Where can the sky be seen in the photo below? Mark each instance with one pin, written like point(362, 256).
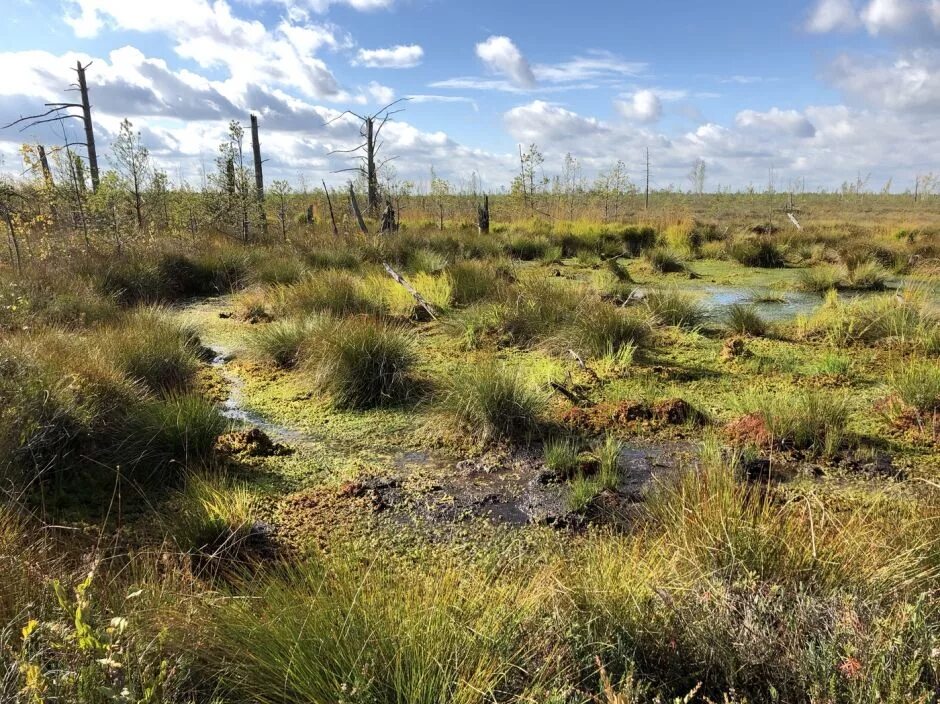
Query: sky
point(815, 92)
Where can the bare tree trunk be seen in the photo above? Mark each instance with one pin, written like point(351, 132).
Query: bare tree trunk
point(371, 175)
point(44, 162)
point(259, 175)
point(647, 178)
point(356, 211)
point(329, 203)
point(483, 215)
point(89, 131)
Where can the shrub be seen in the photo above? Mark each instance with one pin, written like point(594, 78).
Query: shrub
point(494, 401)
point(638, 239)
point(362, 362)
point(664, 260)
point(745, 320)
point(674, 307)
point(282, 341)
point(561, 456)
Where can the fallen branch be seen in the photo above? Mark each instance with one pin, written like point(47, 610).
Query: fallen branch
point(795, 221)
point(411, 289)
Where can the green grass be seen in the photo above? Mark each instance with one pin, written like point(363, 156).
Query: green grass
point(602, 329)
point(215, 516)
point(757, 252)
point(562, 456)
point(674, 307)
point(812, 421)
point(745, 320)
point(664, 260)
point(917, 385)
point(361, 363)
point(818, 279)
point(281, 341)
point(493, 400)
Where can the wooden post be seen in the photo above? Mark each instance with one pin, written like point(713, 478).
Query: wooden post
point(329, 202)
point(371, 175)
point(647, 178)
point(356, 211)
point(259, 174)
point(309, 214)
point(441, 206)
point(89, 131)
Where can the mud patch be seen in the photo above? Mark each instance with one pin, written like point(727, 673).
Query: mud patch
point(626, 414)
point(250, 443)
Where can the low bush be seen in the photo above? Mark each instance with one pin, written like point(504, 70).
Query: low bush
point(757, 252)
point(664, 260)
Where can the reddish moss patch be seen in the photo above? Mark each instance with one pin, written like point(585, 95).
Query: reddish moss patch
point(249, 443)
point(749, 429)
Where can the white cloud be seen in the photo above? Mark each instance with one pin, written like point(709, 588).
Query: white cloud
point(831, 15)
point(400, 56)
point(381, 94)
point(540, 121)
point(909, 82)
point(777, 121)
point(644, 106)
point(500, 55)
point(595, 65)
point(891, 15)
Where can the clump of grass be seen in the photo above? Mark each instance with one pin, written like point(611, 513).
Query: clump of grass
point(757, 252)
point(905, 319)
point(811, 421)
point(153, 349)
point(608, 454)
point(215, 516)
point(674, 307)
point(425, 261)
point(602, 329)
point(335, 630)
point(866, 275)
point(494, 401)
point(745, 320)
point(282, 341)
point(917, 385)
point(362, 362)
point(834, 364)
point(581, 492)
point(473, 281)
point(664, 260)
point(619, 271)
point(180, 429)
point(540, 307)
point(562, 456)
point(818, 279)
point(527, 247)
point(332, 291)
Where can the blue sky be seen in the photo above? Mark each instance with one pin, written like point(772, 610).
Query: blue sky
point(820, 90)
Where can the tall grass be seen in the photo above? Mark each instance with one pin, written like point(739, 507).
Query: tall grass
point(361, 362)
point(745, 320)
point(811, 421)
point(675, 307)
point(494, 401)
point(600, 329)
point(917, 385)
point(281, 341)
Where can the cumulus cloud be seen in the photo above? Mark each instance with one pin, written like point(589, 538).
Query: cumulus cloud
point(831, 15)
point(400, 56)
point(540, 121)
point(909, 82)
point(502, 56)
point(644, 106)
point(891, 15)
point(776, 121)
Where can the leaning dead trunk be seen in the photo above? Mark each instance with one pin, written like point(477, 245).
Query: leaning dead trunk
point(483, 215)
point(89, 130)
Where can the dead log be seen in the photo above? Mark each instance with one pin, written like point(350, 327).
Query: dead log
point(388, 217)
point(355, 206)
point(259, 174)
point(89, 131)
point(411, 289)
point(795, 222)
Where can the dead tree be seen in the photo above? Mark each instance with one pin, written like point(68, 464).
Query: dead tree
point(329, 203)
point(44, 163)
point(367, 153)
point(259, 175)
point(60, 112)
point(483, 215)
point(388, 217)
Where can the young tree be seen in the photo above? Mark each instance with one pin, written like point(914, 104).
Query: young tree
point(132, 161)
point(280, 191)
point(612, 186)
point(697, 176)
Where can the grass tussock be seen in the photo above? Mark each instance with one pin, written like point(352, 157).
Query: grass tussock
point(494, 401)
point(601, 329)
point(675, 307)
point(664, 260)
point(745, 320)
point(361, 363)
point(811, 421)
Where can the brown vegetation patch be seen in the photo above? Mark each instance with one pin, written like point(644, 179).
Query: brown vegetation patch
point(749, 429)
point(734, 348)
point(607, 415)
point(249, 443)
